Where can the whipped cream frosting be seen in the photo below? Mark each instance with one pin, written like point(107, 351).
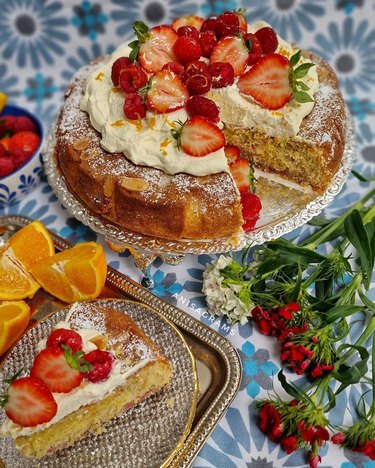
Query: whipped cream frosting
point(85, 394)
point(149, 142)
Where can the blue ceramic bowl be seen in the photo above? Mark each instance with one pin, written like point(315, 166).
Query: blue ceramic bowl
point(15, 186)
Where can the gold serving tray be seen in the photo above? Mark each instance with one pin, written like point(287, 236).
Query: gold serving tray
point(218, 364)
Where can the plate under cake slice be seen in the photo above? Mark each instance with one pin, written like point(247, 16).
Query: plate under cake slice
point(125, 367)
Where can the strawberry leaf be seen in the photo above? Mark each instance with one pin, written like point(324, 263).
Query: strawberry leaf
point(294, 59)
point(302, 70)
point(75, 360)
point(302, 97)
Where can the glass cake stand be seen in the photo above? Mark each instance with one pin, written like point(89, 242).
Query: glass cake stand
point(285, 207)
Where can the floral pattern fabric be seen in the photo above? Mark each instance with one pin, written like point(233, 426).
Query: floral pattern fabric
point(43, 42)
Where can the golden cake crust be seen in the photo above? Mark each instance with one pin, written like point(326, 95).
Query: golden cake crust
point(155, 204)
point(131, 345)
point(150, 202)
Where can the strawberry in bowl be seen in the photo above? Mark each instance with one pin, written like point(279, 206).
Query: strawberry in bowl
point(21, 138)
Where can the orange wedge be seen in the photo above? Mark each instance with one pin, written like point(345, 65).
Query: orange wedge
point(32, 244)
point(75, 274)
point(14, 317)
point(25, 248)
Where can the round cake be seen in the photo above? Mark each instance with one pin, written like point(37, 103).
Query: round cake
point(162, 137)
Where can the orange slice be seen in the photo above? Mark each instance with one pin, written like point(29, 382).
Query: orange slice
point(75, 274)
point(14, 317)
point(15, 282)
point(32, 244)
point(25, 248)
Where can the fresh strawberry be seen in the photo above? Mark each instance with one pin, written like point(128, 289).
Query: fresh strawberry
point(231, 49)
point(208, 25)
point(174, 67)
point(167, 92)
point(267, 82)
point(227, 23)
point(241, 14)
point(268, 39)
point(197, 78)
point(199, 137)
point(222, 74)
point(19, 157)
point(190, 20)
point(102, 362)
point(117, 66)
point(4, 142)
point(157, 49)
point(3, 151)
point(240, 171)
point(251, 207)
point(6, 165)
point(188, 31)
point(232, 152)
point(132, 78)
point(64, 336)
point(22, 123)
point(28, 402)
point(187, 49)
point(6, 125)
point(52, 367)
point(207, 41)
point(26, 141)
point(200, 105)
point(255, 49)
point(134, 107)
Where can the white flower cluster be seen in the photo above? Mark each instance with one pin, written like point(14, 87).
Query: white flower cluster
point(223, 299)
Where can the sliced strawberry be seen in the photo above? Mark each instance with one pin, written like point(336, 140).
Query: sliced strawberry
point(51, 366)
point(241, 13)
point(190, 20)
point(232, 152)
point(167, 92)
point(240, 170)
point(200, 137)
point(231, 49)
point(267, 82)
point(29, 402)
point(157, 50)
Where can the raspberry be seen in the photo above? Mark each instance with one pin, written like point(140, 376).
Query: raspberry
point(207, 42)
point(174, 67)
point(208, 25)
point(222, 74)
point(134, 107)
point(187, 49)
point(190, 31)
point(22, 123)
point(200, 105)
point(251, 206)
point(63, 336)
point(26, 141)
point(102, 362)
point(19, 157)
point(117, 66)
point(6, 166)
point(227, 23)
point(268, 40)
point(6, 125)
point(255, 49)
point(132, 78)
point(197, 78)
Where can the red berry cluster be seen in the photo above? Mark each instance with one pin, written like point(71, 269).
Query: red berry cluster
point(18, 142)
point(170, 66)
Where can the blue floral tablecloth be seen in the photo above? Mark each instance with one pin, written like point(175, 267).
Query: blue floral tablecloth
point(42, 43)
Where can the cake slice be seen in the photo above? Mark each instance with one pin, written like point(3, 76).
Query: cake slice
point(59, 403)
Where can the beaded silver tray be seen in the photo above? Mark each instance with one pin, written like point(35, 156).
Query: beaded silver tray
point(285, 207)
point(218, 365)
point(147, 435)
